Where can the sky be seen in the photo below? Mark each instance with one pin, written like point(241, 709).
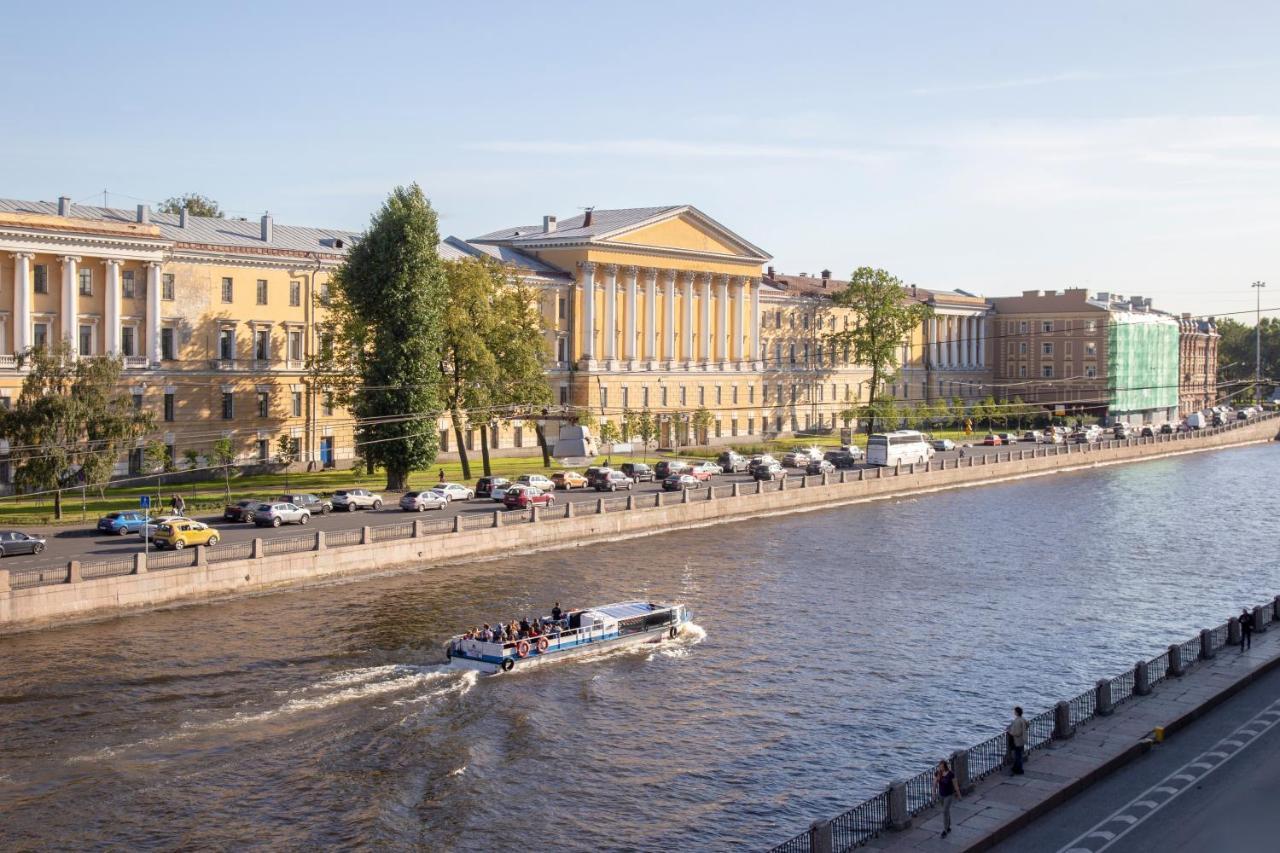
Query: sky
point(1128, 147)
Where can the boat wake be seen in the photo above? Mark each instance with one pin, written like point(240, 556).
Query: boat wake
point(680, 647)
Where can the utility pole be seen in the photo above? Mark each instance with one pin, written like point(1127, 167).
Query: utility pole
point(1257, 343)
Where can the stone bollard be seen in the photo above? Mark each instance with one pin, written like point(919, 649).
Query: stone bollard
point(911, 469)
point(366, 535)
point(736, 491)
point(4, 581)
point(783, 487)
point(1275, 607)
point(1259, 620)
point(140, 563)
point(631, 501)
point(711, 493)
point(1141, 679)
point(1233, 631)
point(899, 816)
point(568, 509)
point(842, 482)
point(533, 513)
point(1206, 644)
point(960, 767)
point(759, 486)
point(971, 461)
point(684, 497)
point(321, 544)
point(1175, 661)
point(417, 529)
point(825, 480)
point(257, 544)
point(821, 839)
point(804, 481)
point(599, 506)
point(457, 528)
point(1062, 721)
point(862, 474)
point(74, 576)
point(497, 521)
point(1102, 704)
point(202, 554)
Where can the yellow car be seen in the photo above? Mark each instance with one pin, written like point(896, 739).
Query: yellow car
point(566, 480)
point(179, 534)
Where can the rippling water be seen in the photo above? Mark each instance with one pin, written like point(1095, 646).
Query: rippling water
point(836, 650)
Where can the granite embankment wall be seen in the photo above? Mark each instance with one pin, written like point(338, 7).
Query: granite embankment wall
point(37, 598)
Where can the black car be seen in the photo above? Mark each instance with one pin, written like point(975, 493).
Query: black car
point(486, 485)
point(819, 466)
point(1166, 429)
point(14, 542)
point(317, 506)
point(638, 472)
point(769, 471)
point(240, 510)
point(611, 481)
point(1148, 432)
point(840, 458)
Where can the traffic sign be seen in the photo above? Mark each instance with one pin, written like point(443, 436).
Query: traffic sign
point(145, 501)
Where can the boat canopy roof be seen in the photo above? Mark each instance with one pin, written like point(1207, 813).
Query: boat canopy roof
point(627, 609)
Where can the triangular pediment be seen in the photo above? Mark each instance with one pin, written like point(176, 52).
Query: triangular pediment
point(686, 229)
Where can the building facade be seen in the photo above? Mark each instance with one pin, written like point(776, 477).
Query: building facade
point(1198, 364)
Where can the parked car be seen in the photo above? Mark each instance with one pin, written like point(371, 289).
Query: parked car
point(121, 523)
point(180, 534)
point(520, 496)
point(1007, 438)
point(568, 480)
point(763, 459)
point(240, 510)
point(148, 529)
point(699, 474)
point(708, 468)
point(276, 514)
point(639, 472)
point(486, 485)
point(15, 542)
point(992, 440)
point(611, 481)
point(499, 491)
point(1051, 437)
point(1121, 431)
point(538, 481)
point(1197, 420)
point(354, 499)
point(311, 503)
point(667, 467)
point(420, 501)
point(1148, 432)
point(680, 482)
point(1243, 414)
point(456, 491)
point(769, 471)
point(1217, 419)
point(1166, 428)
point(796, 458)
point(819, 466)
point(942, 444)
point(732, 462)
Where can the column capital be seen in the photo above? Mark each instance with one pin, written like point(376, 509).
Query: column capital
point(670, 276)
point(610, 269)
point(111, 262)
point(587, 266)
point(650, 274)
point(720, 279)
point(71, 259)
point(22, 256)
point(630, 271)
point(154, 265)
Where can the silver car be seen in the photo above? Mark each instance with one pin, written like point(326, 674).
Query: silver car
point(354, 499)
point(274, 515)
point(420, 501)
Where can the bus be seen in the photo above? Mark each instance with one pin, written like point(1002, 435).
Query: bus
point(903, 446)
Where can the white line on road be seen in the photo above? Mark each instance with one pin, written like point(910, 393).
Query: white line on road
point(1150, 806)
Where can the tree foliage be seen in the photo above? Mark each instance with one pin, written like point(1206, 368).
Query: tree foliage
point(388, 306)
point(701, 421)
point(886, 316)
point(71, 422)
point(194, 203)
point(223, 455)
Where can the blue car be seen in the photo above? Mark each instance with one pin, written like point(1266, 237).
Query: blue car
point(121, 523)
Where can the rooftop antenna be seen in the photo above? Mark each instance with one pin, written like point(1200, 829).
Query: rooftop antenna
point(586, 216)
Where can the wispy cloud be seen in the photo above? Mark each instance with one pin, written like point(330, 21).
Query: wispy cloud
point(677, 149)
point(1010, 83)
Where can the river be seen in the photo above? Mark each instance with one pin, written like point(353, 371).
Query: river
point(834, 651)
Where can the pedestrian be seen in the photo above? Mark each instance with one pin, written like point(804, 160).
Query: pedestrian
point(442, 475)
point(948, 790)
point(1246, 630)
point(1016, 734)
point(179, 505)
point(173, 505)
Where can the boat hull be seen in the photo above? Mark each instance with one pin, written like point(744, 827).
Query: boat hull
point(490, 665)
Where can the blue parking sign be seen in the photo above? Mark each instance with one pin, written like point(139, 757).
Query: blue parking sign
point(145, 501)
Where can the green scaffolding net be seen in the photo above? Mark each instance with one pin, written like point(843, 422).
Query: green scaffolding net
point(1142, 358)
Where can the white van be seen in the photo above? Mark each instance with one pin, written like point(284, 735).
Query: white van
point(1197, 420)
point(903, 446)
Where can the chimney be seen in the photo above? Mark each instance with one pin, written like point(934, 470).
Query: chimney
point(64, 205)
point(1103, 296)
point(1051, 293)
point(771, 273)
point(1029, 293)
point(586, 217)
point(182, 217)
point(826, 274)
point(913, 291)
point(548, 224)
point(144, 214)
point(266, 227)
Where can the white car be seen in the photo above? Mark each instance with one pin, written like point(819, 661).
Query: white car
point(454, 492)
point(943, 444)
point(538, 481)
point(708, 468)
point(499, 491)
point(148, 530)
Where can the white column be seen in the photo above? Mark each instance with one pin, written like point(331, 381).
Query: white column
point(610, 312)
point(651, 315)
point(982, 342)
point(22, 300)
point(113, 307)
point(688, 319)
point(704, 332)
point(754, 284)
point(971, 328)
point(735, 322)
point(70, 316)
point(629, 322)
point(722, 296)
point(933, 342)
point(669, 333)
point(153, 314)
point(587, 274)
point(964, 341)
point(953, 342)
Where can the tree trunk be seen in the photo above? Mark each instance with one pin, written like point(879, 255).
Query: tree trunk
point(397, 480)
point(368, 466)
point(871, 400)
point(57, 504)
point(542, 444)
point(456, 417)
point(226, 476)
point(484, 449)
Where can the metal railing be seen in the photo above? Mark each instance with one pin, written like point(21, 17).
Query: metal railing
point(1218, 638)
point(859, 824)
point(1082, 706)
point(921, 792)
point(24, 578)
point(339, 538)
point(1189, 652)
point(1158, 669)
point(288, 544)
point(1122, 687)
point(160, 560)
point(107, 568)
point(389, 532)
point(237, 551)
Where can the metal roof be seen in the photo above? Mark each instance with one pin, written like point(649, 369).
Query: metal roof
point(602, 222)
point(454, 249)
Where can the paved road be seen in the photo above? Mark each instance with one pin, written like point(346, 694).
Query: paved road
point(1213, 786)
point(79, 543)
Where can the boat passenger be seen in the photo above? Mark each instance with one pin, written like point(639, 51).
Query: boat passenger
point(524, 626)
point(535, 630)
point(556, 612)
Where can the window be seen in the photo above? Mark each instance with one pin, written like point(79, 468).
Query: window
point(805, 322)
point(1022, 348)
point(793, 353)
point(295, 345)
point(720, 395)
point(1046, 370)
point(86, 340)
point(41, 273)
point(227, 344)
point(1066, 349)
point(262, 291)
point(228, 406)
point(295, 294)
point(128, 285)
point(683, 399)
point(6, 403)
point(626, 397)
point(1023, 327)
point(751, 393)
point(644, 396)
point(734, 395)
point(764, 395)
point(1022, 371)
point(1046, 348)
point(297, 404)
point(327, 406)
point(1046, 326)
point(264, 450)
point(702, 396)
point(166, 344)
point(1090, 349)
point(1090, 326)
point(166, 287)
point(168, 407)
point(137, 401)
point(324, 294)
point(86, 282)
point(228, 289)
point(127, 340)
point(777, 352)
point(1090, 371)
point(794, 392)
point(604, 398)
point(564, 395)
point(40, 335)
point(664, 396)
point(562, 349)
point(264, 404)
point(562, 308)
point(262, 344)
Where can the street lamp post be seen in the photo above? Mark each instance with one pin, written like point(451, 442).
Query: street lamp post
point(1257, 342)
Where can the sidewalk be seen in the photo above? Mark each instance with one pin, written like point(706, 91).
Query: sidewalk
point(1001, 804)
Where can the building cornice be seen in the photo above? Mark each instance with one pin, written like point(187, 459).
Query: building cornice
point(122, 248)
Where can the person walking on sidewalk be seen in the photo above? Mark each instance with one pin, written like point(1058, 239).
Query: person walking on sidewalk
point(948, 790)
point(1246, 630)
point(1016, 734)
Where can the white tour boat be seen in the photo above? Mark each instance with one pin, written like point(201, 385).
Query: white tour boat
point(577, 632)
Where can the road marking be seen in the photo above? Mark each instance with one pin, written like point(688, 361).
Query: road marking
point(1159, 796)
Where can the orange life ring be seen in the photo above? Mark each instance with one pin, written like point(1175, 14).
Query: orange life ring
point(522, 648)
point(542, 644)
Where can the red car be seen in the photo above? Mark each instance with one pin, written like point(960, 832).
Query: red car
point(522, 497)
point(992, 440)
point(698, 474)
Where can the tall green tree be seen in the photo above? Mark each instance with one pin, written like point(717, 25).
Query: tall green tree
point(520, 351)
point(468, 368)
point(646, 428)
point(71, 422)
point(388, 303)
point(886, 316)
point(155, 460)
point(194, 203)
point(701, 421)
point(223, 455)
